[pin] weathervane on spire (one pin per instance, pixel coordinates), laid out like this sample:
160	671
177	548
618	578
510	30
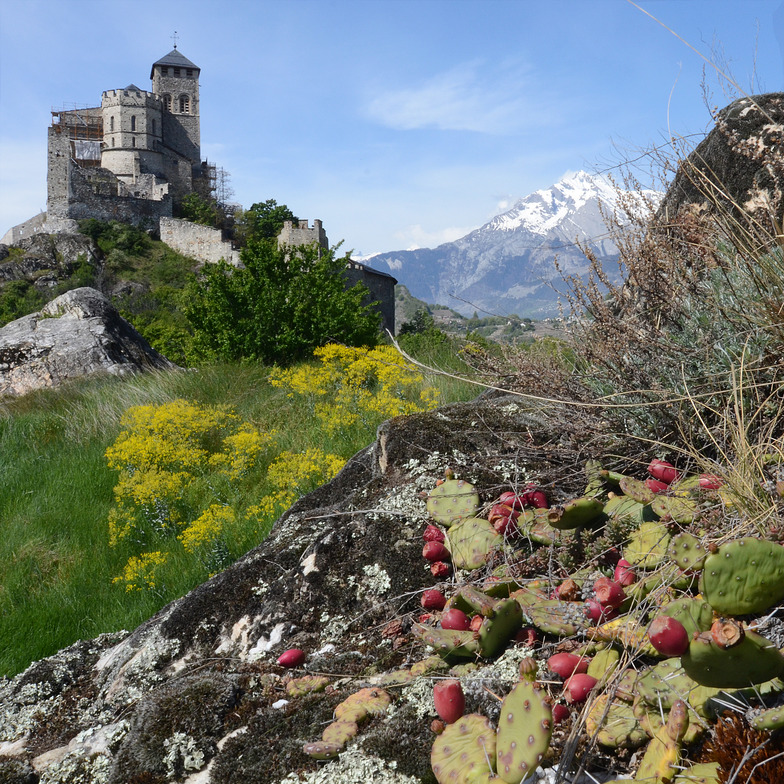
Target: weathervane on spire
174	38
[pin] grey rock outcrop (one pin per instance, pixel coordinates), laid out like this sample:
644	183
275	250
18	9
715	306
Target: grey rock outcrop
46	259
76	334
194	694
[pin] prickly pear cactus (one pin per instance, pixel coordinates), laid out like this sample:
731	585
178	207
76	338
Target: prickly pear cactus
449	643
744	576
659	764
695	615
753	660
614	724
452	500
647	547
637	490
496	631
580	511
462	751
682	510
767	719
525	726
687	551
471	541
701	773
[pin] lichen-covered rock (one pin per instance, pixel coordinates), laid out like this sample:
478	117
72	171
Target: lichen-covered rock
196	690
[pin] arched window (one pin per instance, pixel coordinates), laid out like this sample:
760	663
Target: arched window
167	102
133	122
185	104
112	141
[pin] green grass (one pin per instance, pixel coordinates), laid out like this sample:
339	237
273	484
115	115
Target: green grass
56	565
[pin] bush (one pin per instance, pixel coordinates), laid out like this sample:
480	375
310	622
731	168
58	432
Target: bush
279	307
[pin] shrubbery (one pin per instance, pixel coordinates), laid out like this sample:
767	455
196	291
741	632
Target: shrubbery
284	303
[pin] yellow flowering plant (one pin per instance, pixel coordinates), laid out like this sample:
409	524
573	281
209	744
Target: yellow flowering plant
175	460
357	385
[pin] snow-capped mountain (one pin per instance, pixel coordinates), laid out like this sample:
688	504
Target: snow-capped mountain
507	265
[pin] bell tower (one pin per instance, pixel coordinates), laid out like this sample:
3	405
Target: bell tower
175	80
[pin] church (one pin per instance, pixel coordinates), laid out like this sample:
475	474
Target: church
132	156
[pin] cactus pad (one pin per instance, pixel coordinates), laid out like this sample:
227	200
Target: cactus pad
744	576
471	541
363	703
648	545
614	726
497	630
580	511
452	500
753	660
637	490
524	729
695	615
673	507
306	685
687	551
462	751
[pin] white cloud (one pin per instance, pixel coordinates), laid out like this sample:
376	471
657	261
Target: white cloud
415	236
461	99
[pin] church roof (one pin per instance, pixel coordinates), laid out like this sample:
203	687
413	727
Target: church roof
132	86
175	58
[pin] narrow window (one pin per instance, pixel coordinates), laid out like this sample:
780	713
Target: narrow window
167	102
133	141
111	123
112	141
164	70
176	71
189	73
185	104
153	126
133	122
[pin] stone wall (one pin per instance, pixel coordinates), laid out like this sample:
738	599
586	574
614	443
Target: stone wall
202	243
24	230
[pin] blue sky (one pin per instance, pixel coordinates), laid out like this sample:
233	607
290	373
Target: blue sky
399	123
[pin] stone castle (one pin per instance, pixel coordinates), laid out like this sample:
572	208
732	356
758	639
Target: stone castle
131	158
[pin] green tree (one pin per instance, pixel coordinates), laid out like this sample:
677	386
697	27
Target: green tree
263	220
198	209
279	307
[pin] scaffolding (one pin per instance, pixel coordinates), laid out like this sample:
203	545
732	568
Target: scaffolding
84	127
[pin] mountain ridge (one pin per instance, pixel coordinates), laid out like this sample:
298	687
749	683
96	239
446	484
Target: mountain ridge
507	265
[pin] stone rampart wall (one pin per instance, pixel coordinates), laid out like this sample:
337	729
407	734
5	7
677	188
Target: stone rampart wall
202	243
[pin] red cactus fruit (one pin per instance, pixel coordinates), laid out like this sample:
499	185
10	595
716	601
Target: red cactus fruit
433	599
425	618
567	664
577	688
664	471
510	499
656	486
455	619
624	575
433	534
535	498
560	713
435	551
440	569
504	519
598	612
293	657
608	592
710	482
668	635
449	699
